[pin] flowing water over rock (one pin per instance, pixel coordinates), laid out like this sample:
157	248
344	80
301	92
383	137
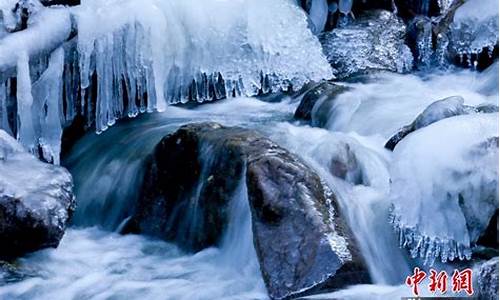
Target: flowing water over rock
198	51
93	262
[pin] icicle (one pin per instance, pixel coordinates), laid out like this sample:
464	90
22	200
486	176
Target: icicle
318	14
47	94
148	54
25	133
333	7
424	44
4	121
491	48
444	5
441	49
345	6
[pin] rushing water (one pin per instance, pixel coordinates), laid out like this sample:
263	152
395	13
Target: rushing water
94	262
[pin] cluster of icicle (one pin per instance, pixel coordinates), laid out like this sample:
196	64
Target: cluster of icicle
474	30
425	247
320	9
134	56
176	51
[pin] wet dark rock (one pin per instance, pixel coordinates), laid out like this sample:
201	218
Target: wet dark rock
345	165
408	9
487	280
489	238
60	2
36	201
373	41
487	108
438	110
325	89
300	238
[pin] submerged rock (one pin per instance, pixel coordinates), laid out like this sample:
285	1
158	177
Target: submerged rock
438	110
325	89
300	238
36	201
374	41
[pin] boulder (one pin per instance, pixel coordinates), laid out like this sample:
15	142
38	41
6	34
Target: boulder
374	41
324	90
36	201
301	240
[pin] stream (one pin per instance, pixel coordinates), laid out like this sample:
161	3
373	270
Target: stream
94	261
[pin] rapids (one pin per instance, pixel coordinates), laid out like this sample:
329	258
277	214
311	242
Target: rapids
95	262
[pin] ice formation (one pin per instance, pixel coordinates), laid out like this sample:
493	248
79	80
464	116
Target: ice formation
440	208
474	29
345	6
372	41
181	50
134	56
318	14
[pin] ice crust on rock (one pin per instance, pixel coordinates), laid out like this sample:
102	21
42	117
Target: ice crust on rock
36	200
444	186
474	29
372	41
190	50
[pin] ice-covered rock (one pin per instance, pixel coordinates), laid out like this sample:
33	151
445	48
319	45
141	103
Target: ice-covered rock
474	31
444	186
487	279
375	40
441	109
301	240
36	200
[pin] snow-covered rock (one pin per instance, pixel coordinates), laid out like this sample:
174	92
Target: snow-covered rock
36	200
444	186
375	40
